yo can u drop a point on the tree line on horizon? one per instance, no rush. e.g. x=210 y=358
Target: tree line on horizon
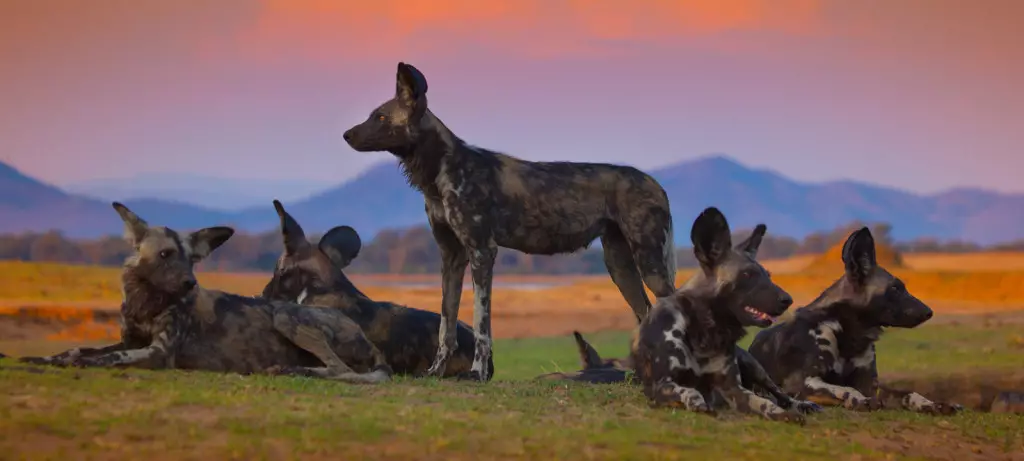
x=412 y=250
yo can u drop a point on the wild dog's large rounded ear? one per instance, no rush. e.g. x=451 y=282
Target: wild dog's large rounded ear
x=411 y=85
x=291 y=231
x=710 y=238
x=859 y=255
x=752 y=243
x=204 y=241
x=134 y=227
x=341 y=244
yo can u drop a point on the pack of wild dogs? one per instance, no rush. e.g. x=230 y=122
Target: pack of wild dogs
x=311 y=320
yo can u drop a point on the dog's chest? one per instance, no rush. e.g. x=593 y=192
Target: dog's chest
x=827 y=335
x=682 y=358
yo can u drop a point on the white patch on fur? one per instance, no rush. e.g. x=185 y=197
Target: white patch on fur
x=477 y=218
x=301 y=297
x=678 y=324
x=481 y=340
x=715 y=365
x=915 y=401
x=829 y=330
x=865 y=359
x=675 y=364
x=853 y=395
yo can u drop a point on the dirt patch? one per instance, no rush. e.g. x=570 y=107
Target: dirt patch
x=976 y=390
x=937 y=444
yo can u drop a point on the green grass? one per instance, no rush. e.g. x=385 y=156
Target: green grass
x=50 y=413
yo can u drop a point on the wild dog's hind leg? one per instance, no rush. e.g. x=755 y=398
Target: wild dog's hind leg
x=453 y=270
x=325 y=333
x=618 y=258
x=650 y=236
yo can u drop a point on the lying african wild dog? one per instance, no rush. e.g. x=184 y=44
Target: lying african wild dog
x=826 y=353
x=685 y=351
x=477 y=200
x=598 y=370
x=171 y=322
x=594 y=369
x=313 y=275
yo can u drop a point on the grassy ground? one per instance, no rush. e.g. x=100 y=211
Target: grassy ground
x=101 y=414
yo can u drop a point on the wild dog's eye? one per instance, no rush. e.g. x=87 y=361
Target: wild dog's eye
x=164 y=254
x=382 y=117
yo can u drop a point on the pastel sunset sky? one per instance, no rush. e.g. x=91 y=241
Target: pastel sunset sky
x=919 y=94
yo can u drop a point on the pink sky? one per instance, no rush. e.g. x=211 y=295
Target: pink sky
x=918 y=94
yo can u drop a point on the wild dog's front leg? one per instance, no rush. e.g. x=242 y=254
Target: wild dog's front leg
x=453 y=269
x=909 y=400
x=69 y=356
x=666 y=393
x=819 y=391
x=865 y=379
x=753 y=375
x=729 y=384
x=481 y=262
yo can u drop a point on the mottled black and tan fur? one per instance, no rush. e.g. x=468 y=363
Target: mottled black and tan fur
x=826 y=353
x=477 y=200
x=685 y=352
x=169 y=322
x=314 y=275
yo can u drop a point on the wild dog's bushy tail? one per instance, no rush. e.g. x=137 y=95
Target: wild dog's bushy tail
x=589 y=358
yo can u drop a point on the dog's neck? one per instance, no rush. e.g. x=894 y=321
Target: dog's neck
x=716 y=330
x=421 y=162
x=143 y=302
x=857 y=333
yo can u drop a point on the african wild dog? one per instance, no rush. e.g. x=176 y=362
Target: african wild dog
x=598 y=370
x=168 y=321
x=826 y=353
x=313 y=275
x=685 y=351
x=594 y=368
x=477 y=200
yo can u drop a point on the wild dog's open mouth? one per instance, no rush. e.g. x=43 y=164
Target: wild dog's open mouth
x=759 y=315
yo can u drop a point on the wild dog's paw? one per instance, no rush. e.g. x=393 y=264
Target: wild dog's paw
x=471 y=375
x=943 y=408
x=805 y=406
x=866 y=404
x=38 y=361
x=705 y=409
x=274 y=370
x=789 y=416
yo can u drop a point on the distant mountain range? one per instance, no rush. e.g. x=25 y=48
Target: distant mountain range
x=380 y=198
x=226 y=194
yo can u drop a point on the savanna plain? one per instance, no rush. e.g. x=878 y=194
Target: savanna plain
x=971 y=350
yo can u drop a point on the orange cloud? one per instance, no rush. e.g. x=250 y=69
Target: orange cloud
x=332 y=29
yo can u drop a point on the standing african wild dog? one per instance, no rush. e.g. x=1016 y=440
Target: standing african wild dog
x=313 y=275
x=477 y=200
x=826 y=353
x=685 y=351
x=168 y=321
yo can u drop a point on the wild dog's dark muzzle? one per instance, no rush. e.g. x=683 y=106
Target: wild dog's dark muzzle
x=911 y=313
